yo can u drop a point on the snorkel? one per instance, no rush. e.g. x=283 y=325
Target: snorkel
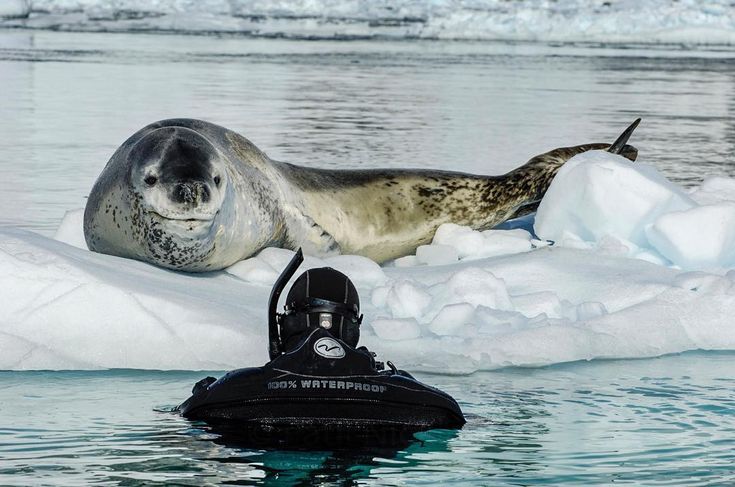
x=275 y=344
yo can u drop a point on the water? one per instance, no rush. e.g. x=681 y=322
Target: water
x=664 y=421
x=68 y=100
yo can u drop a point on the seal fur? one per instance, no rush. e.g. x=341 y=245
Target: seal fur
x=190 y=195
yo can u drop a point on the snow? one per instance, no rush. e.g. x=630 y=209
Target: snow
x=714 y=189
x=696 y=238
x=614 y=21
x=639 y=268
x=605 y=201
x=467 y=244
x=68 y=232
x=600 y=195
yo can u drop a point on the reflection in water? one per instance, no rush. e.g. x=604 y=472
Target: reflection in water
x=665 y=420
x=338 y=467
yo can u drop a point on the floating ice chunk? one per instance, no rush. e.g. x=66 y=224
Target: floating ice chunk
x=452 y=318
x=697 y=238
x=71 y=229
x=436 y=254
x=62 y=307
x=396 y=329
x=597 y=193
x=407 y=299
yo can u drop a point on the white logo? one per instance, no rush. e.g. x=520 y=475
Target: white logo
x=329 y=348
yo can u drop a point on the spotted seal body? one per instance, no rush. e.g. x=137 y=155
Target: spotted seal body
x=190 y=195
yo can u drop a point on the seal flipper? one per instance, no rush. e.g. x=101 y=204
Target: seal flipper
x=322 y=241
x=314 y=239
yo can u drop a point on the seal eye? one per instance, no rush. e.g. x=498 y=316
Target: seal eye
x=217 y=180
x=150 y=180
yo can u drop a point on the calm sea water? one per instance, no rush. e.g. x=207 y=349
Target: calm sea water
x=68 y=100
x=664 y=421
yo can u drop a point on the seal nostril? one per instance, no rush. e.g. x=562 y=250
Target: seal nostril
x=217 y=180
x=184 y=193
x=150 y=180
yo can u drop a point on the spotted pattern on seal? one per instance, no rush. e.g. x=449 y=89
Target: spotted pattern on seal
x=379 y=213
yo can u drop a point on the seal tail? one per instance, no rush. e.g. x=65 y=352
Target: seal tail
x=535 y=177
x=620 y=146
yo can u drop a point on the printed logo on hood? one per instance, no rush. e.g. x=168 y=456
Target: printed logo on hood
x=329 y=348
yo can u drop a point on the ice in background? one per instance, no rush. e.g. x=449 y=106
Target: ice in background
x=617 y=21
x=639 y=268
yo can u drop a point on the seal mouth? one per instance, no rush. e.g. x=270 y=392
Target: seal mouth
x=185 y=226
x=197 y=219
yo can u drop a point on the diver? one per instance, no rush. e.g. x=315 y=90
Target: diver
x=318 y=380
x=320 y=298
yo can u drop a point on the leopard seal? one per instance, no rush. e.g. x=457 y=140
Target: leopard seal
x=190 y=195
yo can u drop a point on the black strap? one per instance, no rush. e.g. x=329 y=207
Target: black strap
x=318 y=305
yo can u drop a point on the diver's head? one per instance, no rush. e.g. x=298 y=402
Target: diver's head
x=321 y=298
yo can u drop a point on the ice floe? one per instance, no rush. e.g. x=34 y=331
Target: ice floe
x=639 y=268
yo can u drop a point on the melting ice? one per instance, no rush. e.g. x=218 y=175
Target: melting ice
x=638 y=267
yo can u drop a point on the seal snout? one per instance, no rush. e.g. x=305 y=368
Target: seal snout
x=189 y=199
x=191 y=193
x=181 y=178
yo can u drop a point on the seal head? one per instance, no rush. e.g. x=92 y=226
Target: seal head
x=175 y=182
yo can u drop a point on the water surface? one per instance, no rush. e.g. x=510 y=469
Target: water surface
x=664 y=421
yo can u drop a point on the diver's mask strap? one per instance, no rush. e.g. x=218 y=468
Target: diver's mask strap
x=318 y=305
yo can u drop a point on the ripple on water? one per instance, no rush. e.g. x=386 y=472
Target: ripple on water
x=584 y=424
